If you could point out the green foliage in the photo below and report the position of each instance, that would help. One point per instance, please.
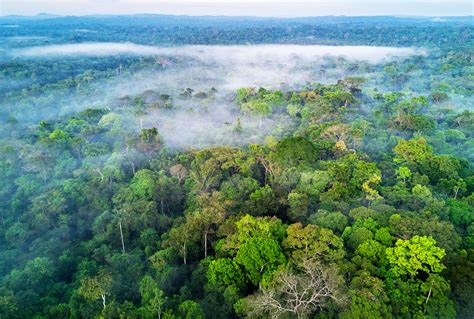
(249, 227)
(368, 299)
(294, 152)
(403, 173)
(190, 310)
(313, 242)
(357, 236)
(258, 108)
(298, 206)
(335, 221)
(313, 183)
(372, 250)
(409, 257)
(260, 258)
(416, 150)
(153, 299)
(225, 271)
(383, 236)
(263, 201)
(361, 199)
(97, 287)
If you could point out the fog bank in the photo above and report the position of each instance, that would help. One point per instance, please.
(234, 53)
(195, 122)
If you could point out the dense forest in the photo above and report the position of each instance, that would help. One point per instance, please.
(248, 181)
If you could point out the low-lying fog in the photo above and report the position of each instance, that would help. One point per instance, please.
(236, 53)
(199, 67)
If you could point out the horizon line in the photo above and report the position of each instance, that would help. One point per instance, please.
(53, 15)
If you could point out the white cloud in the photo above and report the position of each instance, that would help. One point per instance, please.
(226, 68)
(234, 54)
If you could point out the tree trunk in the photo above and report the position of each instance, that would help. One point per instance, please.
(100, 173)
(121, 237)
(184, 254)
(103, 300)
(205, 244)
(429, 294)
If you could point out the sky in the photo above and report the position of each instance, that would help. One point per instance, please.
(275, 8)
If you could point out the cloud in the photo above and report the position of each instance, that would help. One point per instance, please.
(87, 49)
(218, 53)
(203, 122)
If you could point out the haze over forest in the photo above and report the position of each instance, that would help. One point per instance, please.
(160, 166)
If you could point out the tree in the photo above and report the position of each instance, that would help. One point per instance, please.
(260, 258)
(383, 236)
(153, 299)
(238, 127)
(96, 287)
(421, 193)
(181, 238)
(298, 203)
(438, 97)
(210, 165)
(356, 236)
(336, 221)
(313, 183)
(353, 84)
(37, 159)
(36, 275)
(297, 294)
(237, 190)
(294, 152)
(337, 132)
(453, 186)
(403, 173)
(372, 194)
(339, 99)
(368, 298)
(113, 123)
(462, 283)
(8, 306)
(350, 174)
(191, 310)
(225, 271)
(373, 251)
(415, 150)
(245, 94)
(179, 171)
(262, 201)
(211, 214)
(249, 227)
(313, 242)
(168, 194)
(419, 298)
(412, 256)
(258, 108)
(149, 140)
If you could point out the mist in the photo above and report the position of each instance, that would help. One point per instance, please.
(220, 53)
(200, 122)
(87, 49)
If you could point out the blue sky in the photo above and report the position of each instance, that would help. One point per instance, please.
(278, 8)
